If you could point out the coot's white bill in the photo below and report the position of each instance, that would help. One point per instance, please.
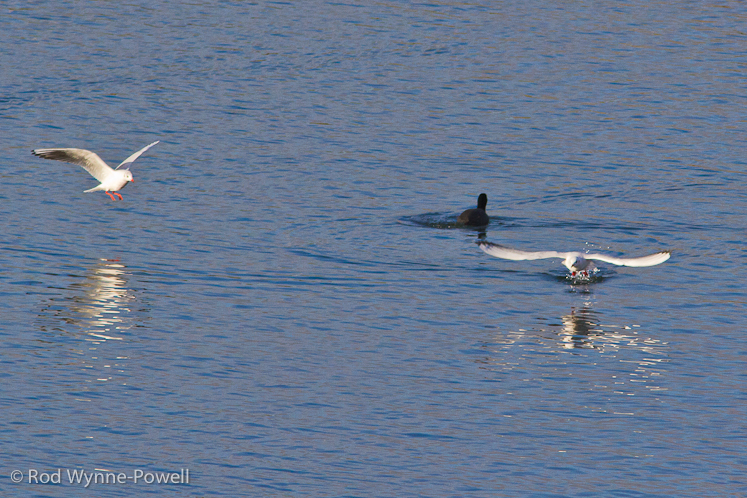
(574, 261)
(111, 180)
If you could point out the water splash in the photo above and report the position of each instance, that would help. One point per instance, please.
(589, 276)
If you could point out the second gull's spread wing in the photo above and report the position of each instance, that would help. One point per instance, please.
(650, 260)
(506, 253)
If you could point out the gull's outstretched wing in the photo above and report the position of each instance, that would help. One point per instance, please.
(506, 253)
(137, 154)
(651, 260)
(85, 158)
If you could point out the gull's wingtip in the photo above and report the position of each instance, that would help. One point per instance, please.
(658, 258)
(653, 260)
(485, 245)
(48, 153)
(126, 163)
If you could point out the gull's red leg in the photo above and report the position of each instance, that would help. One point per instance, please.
(118, 195)
(110, 195)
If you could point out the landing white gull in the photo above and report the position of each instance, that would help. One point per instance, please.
(576, 262)
(111, 180)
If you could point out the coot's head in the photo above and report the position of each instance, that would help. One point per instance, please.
(482, 201)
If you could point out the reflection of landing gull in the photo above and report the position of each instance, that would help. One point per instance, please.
(574, 261)
(579, 327)
(110, 180)
(583, 329)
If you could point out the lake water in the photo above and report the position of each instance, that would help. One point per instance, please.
(281, 303)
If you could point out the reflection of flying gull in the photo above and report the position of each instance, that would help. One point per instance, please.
(110, 180)
(574, 261)
(106, 299)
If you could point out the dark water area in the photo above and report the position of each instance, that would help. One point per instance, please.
(284, 304)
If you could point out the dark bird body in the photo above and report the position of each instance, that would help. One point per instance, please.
(476, 217)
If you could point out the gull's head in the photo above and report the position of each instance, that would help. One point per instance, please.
(128, 175)
(575, 262)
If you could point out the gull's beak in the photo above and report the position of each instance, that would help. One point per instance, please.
(133, 180)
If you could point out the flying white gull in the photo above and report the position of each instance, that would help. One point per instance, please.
(110, 180)
(576, 262)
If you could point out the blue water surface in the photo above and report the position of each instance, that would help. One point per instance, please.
(282, 303)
